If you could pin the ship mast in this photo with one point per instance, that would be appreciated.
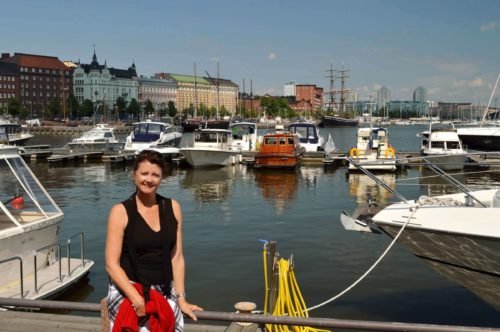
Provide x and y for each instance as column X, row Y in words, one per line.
column 331, row 76
column 195, row 90
column 343, row 76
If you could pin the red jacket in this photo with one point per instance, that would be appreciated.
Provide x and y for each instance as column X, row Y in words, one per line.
column 160, row 314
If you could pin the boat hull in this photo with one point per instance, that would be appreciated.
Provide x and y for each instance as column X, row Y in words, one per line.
column 97, row 146
column 207, row 157
column 23, row 245
column 276, row 161
column 334, row 121
column 469, row 252
column 374, row 164
column 446, row 162
column 480, row 138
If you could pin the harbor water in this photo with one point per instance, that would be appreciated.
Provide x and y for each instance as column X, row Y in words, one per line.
column 228, row 212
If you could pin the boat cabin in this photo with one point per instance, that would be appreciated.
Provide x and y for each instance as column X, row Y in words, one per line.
column 279, row 150
column 213, row 138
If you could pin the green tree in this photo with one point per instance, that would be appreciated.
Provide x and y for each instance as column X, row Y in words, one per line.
column 148, row 107
column 53, row 109
column 121, row 105
column 87, row 108
column 16, row 109
column 171, row 108
column 223, row 112
column 133, row 108
column 275, row 106
column 72, row 106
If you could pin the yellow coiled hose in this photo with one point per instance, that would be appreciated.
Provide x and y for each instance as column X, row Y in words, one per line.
column 289, row 300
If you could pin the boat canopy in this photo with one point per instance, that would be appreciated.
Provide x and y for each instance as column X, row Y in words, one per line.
column 148, row 131
column 306, row 132
column 22, row 198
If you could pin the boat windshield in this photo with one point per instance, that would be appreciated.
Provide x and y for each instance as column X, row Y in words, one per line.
column 305, row 133
column 208, row 137
column 21, row 194
column 239, row 130
column 147, row 131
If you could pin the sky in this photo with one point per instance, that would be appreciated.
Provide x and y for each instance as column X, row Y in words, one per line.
column 449, row 47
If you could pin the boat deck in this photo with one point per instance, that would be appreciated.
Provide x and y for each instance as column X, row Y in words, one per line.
column 48, row 282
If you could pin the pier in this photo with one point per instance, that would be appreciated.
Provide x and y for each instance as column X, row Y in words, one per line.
column 35, row 321
column 336, row 159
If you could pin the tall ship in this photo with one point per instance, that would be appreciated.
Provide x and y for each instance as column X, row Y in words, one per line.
column 337, row 113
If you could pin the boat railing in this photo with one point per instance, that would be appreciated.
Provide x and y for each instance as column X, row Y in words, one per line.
column 20, row 270
column 35, row 254
column 82, row 250
column 438, row 171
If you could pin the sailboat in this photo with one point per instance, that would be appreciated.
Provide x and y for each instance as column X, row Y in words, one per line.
column 336, row 120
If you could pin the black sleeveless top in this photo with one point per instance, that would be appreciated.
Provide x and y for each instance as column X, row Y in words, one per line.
column 146, row 254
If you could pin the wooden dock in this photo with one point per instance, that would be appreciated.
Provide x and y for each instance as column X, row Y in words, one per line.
column 74, row 156
column 15, row 321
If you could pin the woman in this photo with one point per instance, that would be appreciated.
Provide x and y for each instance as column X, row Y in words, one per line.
column 144, row 258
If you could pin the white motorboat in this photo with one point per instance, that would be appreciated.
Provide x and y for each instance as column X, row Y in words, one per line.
column 442, row 144
column 211, row 147
column 485, row 138
column 460, row 230
column 160, row 136
column 15, row 133
column 33, row 264
column 372, row 150
column 244, row 136
column 308, row 134
column 480, row 138
column 100, row 137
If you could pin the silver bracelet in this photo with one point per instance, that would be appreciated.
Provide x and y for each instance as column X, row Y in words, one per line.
column 179, row 295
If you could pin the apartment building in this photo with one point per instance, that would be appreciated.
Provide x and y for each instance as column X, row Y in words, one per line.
column 41, row 79
column 9, row 82
column 102, row 84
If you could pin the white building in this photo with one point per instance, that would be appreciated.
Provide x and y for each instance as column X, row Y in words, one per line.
column 289, row 89
column 99, row 83
column 158, row 91
column 420, row 94
column 383, row 97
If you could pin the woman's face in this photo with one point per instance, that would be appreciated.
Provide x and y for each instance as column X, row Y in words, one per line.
column 147, row 177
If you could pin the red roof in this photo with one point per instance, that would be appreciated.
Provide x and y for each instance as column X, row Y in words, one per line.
column 36, row 61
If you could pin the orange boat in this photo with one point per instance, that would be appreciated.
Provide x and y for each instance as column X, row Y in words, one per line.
column 279, row 150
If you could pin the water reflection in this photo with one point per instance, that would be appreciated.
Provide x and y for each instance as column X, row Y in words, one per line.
column 485, row 286
column 311, row 175
column 370, row 196
column 433, row 185
column 279, row 186
column 208, row 185
column 476, row 179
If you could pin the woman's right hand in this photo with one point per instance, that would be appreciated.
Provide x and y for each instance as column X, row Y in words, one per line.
column 140, row 309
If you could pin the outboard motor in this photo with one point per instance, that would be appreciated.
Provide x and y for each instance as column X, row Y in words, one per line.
column 495, row 201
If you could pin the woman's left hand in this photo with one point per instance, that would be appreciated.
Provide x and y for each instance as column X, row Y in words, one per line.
column 189, row 309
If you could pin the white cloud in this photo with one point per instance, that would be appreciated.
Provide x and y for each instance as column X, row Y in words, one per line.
column 272, row 56
column 474, row 83
column 488, row 26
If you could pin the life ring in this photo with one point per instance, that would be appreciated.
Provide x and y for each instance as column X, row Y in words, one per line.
column 354, row 151
column 390, row 151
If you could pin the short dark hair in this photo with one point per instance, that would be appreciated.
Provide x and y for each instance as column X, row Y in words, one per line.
column 153, row 157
